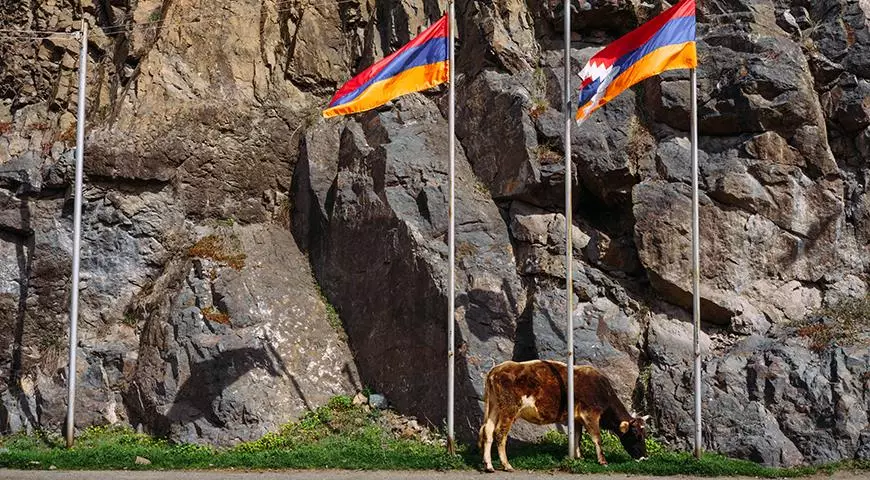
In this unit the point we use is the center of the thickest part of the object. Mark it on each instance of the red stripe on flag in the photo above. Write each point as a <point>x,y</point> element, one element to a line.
<point>636,38</point>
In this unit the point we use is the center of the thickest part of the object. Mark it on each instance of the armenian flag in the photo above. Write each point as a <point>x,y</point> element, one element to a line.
<point>422,63</point>
<point>666,42</point>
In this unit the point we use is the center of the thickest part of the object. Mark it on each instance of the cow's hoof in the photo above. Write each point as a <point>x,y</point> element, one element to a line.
<point>488,469</point>
<point>602,463</point>
<point>508,468</point>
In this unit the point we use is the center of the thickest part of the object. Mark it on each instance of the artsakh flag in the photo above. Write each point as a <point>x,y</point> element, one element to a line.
<point>419,65</point>
<point>666,42</point>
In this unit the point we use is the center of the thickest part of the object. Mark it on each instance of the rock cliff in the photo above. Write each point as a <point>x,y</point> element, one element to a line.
<point>244,259</point>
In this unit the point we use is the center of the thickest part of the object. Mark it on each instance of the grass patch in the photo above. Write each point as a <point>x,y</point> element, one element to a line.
<point>220,250</point>
<point>337,435</point>
<point>843,323</point>
<point>343,435</point>
<point>550,454</point>
<point>111,448</point>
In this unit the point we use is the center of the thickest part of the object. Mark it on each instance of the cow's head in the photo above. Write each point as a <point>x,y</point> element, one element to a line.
<point>632,435</point>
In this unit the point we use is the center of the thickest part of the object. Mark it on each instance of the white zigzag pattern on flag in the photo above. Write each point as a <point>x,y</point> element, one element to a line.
<point>594,71</point>
<point>586,108</point>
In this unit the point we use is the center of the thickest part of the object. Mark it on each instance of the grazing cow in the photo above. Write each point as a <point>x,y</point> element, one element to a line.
<point>537,391</point>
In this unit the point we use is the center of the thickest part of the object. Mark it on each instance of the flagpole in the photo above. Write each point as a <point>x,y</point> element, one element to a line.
<point>569,224</point>
<point>451,244</point>
<point>77,227</point>
<point>696,272</point>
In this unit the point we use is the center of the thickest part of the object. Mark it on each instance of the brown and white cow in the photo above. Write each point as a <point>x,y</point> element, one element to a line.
<point>537,392</point>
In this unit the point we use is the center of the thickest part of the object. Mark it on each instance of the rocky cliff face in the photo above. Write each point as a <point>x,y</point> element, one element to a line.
<point>222,214</point>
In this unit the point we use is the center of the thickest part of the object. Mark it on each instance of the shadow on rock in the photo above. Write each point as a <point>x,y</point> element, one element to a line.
<point>199,397</point>
<point>13,369</point>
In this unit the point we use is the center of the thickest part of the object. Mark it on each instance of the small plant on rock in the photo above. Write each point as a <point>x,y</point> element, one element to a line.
<point>219,250</point>
<point>547,155</point>
<point>465,250</point>
<point>68,136</point>
<point>845,323</point>
<point>226,222</point>
<point>212,314</point>
<point>130,320</point>
<point>482,189</point>
<point>283,211</point>
<point>539,94</point>
<point>539,106</point>
<point>332,316</point>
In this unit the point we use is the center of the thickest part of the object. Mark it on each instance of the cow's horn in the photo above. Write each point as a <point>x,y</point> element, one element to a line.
<point>645,418</point>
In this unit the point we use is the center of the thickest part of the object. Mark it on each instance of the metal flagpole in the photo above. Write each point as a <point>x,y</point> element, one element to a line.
<point>77,227</point>
<point>451,294</point>
<point>569,224</point>
<point>696,273</point>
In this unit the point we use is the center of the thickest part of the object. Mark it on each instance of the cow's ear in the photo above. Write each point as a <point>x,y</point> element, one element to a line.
<point>623,427</point>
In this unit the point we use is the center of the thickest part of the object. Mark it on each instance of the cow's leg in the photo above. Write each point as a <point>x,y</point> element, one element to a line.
<point>503,427</point>
<point>487,431</point>
<point>591,420</point>
<point>578,438</point>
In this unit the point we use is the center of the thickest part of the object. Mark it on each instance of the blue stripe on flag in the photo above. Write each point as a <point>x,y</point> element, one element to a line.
<point>589,91</point>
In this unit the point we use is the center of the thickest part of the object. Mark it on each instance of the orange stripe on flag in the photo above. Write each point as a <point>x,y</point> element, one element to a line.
<point>409,81</point>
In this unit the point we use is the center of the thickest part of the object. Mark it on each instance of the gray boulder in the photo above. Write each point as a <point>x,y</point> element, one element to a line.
<point>244,345</point>
<point>795,405</point>
<point>385,228</point>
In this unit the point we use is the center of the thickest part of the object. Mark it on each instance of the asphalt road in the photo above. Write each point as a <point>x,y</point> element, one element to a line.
<point>346,475</point>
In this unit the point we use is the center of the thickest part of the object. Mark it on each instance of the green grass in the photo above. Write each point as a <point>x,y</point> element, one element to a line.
<point>338,435</point>
<point>346,436</point>
<point>550,454</point>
